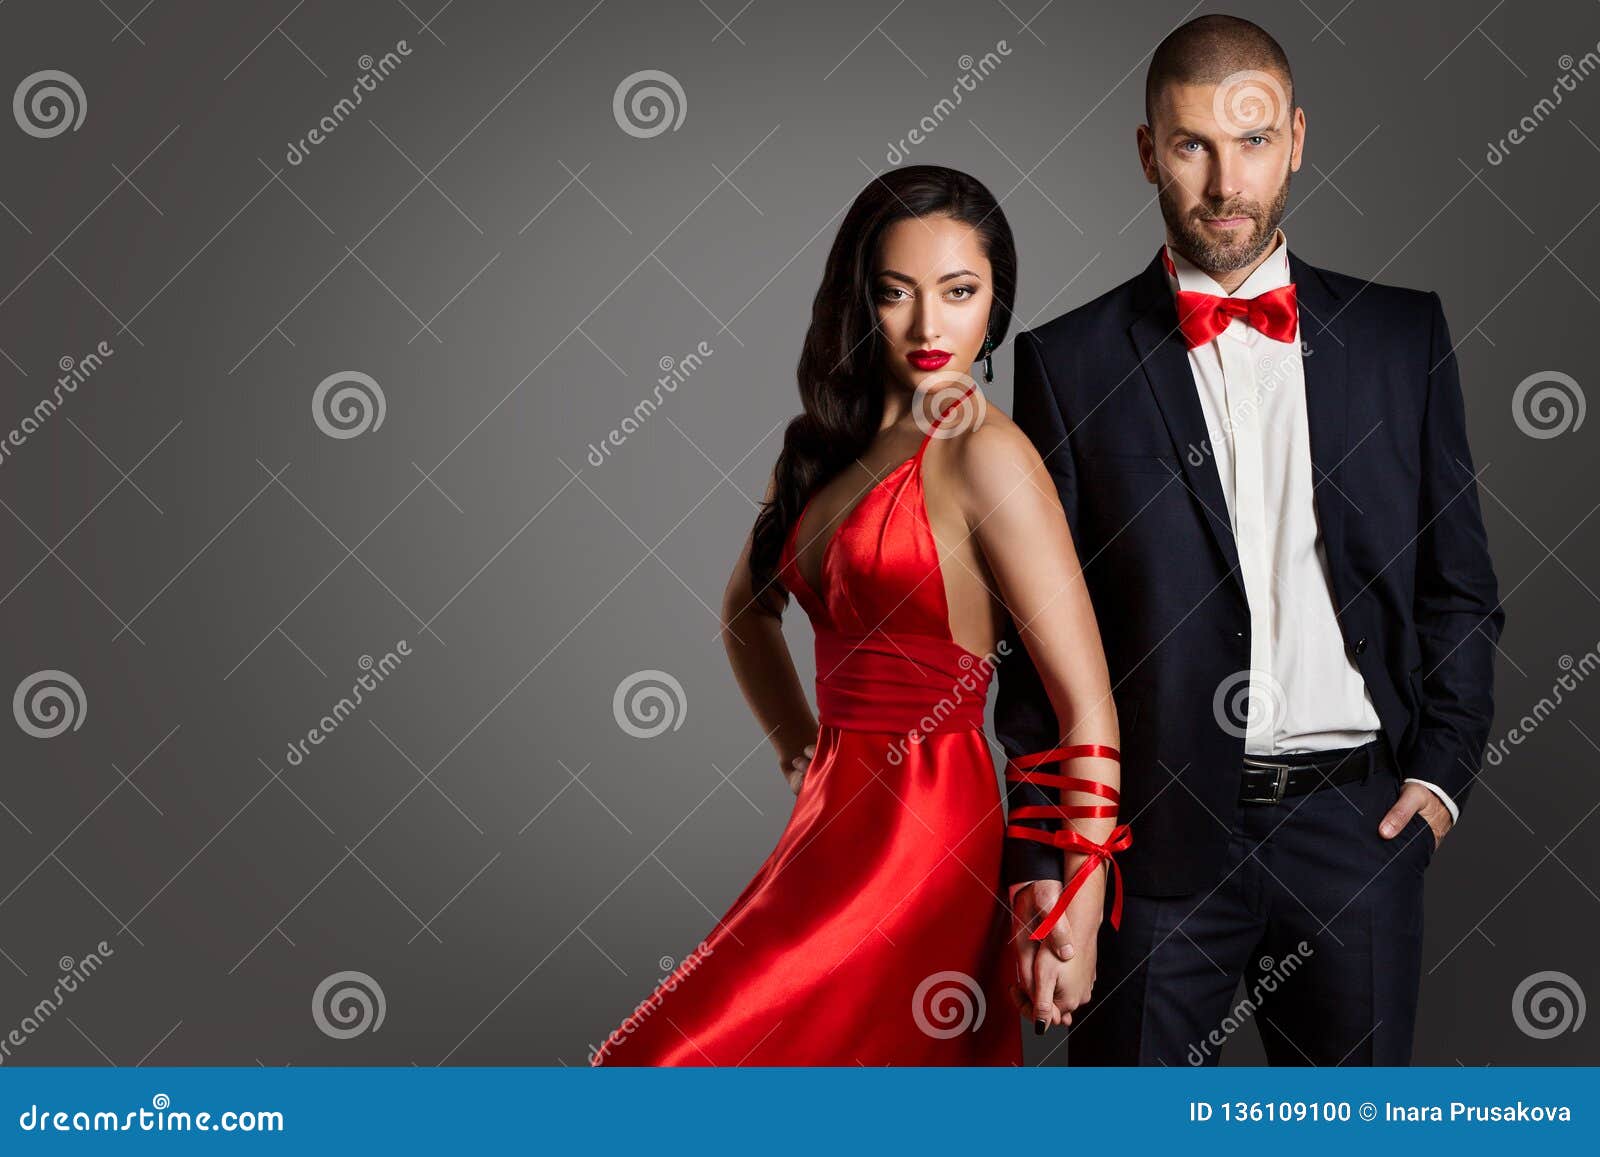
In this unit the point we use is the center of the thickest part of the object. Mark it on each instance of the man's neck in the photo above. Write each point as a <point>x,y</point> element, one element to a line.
<point>1234,278</point>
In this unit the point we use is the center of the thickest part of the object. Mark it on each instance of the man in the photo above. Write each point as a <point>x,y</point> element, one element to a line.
<point>1266,472</point>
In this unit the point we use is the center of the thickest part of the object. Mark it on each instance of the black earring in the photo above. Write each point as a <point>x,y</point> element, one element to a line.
<point>988,359</point>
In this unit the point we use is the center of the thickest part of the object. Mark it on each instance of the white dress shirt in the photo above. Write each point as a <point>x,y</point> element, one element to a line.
<point>1309,694</point>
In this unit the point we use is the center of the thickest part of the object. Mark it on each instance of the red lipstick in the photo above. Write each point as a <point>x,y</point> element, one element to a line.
<point>926,360</point>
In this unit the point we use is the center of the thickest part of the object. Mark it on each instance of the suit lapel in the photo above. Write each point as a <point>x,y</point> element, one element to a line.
<point>1325,362</point>
<point>1165,361</point>
<point>1325,339</point>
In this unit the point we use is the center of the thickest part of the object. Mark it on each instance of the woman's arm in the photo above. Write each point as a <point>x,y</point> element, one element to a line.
<point>1016,518</point>
<point>764,668</point>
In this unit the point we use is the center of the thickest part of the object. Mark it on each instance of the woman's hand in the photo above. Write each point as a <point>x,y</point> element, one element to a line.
<point>1037,961</point>
<point>795,772</point>
<point>1075,979</point>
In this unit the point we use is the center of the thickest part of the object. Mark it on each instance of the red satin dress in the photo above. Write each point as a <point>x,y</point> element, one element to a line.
<point>876,931</point>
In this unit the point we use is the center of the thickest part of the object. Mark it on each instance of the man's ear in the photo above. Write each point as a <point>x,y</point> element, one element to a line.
<point>1298,133</point>
<point>1145,142</point>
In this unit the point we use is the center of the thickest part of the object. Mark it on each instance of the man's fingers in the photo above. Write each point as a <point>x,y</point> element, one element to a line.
<point>1060,939</point>
<point>1045,968</point>
<point>1069,996</point>
<point>1398,816</point>
<point>1414,798</point>
<point>1024,951</point>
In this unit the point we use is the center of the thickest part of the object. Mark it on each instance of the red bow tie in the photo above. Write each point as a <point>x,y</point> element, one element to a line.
<point>1202,316</point>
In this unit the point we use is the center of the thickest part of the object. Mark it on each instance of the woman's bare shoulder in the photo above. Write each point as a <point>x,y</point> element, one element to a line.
<point>989,458</point>
<point>992,447</point>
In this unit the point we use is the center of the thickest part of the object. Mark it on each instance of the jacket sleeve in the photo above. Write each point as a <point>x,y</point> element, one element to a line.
<point>1457,608</point>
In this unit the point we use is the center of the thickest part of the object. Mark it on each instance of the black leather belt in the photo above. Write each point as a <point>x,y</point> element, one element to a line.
<point>1273,779</point>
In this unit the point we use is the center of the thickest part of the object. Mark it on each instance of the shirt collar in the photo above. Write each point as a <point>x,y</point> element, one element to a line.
<point>1272,273</point>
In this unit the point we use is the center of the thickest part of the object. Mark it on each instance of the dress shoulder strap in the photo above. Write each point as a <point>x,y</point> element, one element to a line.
<point>943,414</point>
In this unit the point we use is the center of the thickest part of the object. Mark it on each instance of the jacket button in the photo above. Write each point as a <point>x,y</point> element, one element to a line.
<point>1361,645</point>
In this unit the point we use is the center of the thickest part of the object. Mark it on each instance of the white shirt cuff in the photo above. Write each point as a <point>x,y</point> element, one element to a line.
<point>1444,797</point>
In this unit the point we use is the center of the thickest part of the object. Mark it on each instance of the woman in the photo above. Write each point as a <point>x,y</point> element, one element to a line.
<point>908,519</point>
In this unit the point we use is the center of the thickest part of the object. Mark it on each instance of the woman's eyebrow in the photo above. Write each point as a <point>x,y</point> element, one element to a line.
<point>912,281</point>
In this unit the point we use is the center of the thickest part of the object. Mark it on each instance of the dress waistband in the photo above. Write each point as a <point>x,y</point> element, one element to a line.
<point>899,683</point>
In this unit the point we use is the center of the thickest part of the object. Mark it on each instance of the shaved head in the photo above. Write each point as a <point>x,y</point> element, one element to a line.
<point>1210,49</point>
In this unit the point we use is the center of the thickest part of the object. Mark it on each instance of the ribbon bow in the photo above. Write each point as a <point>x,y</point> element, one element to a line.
<point>1020,770</point>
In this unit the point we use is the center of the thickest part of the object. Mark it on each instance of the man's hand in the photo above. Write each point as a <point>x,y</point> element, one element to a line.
<point>1054,975</point>
<point>1414,798</point>
<point>795,772</point>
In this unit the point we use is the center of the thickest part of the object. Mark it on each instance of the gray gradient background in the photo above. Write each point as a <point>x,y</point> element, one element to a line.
<point>482,838</point>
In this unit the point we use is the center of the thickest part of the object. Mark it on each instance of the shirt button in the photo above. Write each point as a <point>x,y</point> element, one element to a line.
<point>1361,645</point>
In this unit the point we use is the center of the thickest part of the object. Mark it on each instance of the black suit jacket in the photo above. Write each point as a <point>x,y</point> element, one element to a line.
<point>1106,394</point>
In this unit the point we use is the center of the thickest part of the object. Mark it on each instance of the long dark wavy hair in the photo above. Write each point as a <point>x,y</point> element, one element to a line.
<point>842,371</point>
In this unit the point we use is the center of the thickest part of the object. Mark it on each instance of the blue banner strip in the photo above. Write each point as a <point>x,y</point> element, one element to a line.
<point>776,1111</point>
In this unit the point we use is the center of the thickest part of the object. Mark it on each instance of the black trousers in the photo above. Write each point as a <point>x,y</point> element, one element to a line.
<point>1317,914</point>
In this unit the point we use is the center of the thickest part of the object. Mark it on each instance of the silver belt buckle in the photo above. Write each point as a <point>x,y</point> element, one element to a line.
<point>1282,783</point>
